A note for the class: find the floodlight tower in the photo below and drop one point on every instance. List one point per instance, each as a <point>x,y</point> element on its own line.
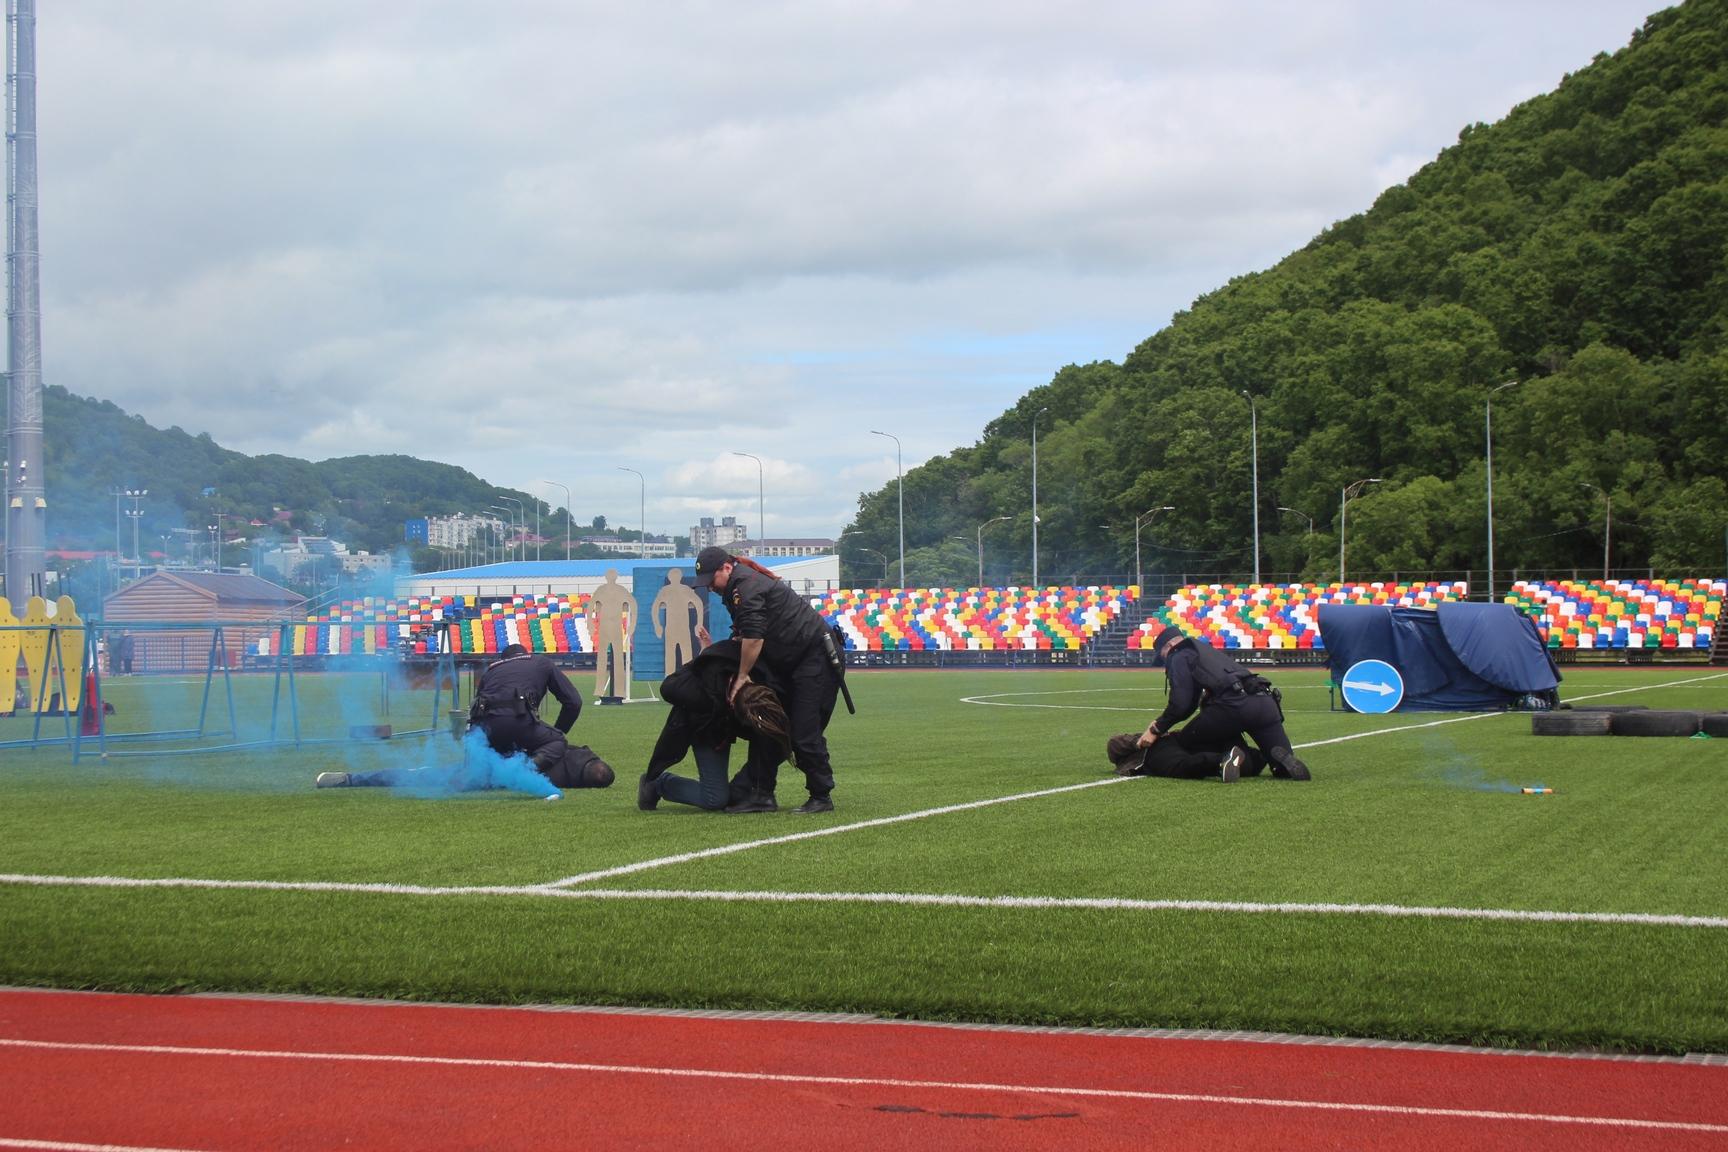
<point>26,495</point>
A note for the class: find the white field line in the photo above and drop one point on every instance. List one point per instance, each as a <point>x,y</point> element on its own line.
<point>835,830</point>
<point>553,887</point>
<point>909,899</point>
<point>758,1077</point>
<point>992,699</point>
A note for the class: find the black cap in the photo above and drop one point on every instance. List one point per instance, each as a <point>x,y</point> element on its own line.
<point>1170,633</point>
<point>512,650</point>
<point>708,561</point>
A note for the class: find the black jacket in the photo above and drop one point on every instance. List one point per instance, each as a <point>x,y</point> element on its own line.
<point>1195,672</point>
<point>518,683</point>
<point>700,714</point>
<point>768,610</point>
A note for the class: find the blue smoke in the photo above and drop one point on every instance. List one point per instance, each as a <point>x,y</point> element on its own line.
<point>1451,768</point>
<point>481,768</point>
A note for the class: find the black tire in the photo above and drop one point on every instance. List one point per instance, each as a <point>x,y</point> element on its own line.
<point>1569,724</point>
<point>1715,723</point>
<point>1655,723</point>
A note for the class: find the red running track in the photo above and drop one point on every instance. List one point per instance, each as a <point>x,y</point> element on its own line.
<point>91,1071</point>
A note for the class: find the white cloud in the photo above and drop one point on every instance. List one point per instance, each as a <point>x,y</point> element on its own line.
<point>551,239</point>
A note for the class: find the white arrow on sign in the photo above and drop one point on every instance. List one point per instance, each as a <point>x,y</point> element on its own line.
<point>1371,686</point>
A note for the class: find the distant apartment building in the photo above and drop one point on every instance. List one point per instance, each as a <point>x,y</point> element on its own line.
<point>454,532</point>
<point>654,546</point>
<point>314,554</point>
<point>783,546</point>
<point>726,533</point>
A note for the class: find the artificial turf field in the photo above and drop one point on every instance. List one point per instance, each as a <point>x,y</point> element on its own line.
<point>1181,904</point>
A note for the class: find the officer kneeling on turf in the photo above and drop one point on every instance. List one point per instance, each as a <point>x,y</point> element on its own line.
<point>507,709</point>
<point>1231,702</point>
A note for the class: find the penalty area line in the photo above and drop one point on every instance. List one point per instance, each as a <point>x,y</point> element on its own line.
<point>754,1076</point>
<point>795,837</point>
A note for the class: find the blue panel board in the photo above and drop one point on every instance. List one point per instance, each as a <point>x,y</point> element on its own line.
<point>648,650</point>
<point>647,580</point>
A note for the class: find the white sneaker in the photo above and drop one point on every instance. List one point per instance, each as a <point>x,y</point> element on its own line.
<point>1230,768</point>
<point>331,780</point>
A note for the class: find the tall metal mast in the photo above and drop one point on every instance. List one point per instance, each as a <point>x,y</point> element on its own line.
<point>26,494</point>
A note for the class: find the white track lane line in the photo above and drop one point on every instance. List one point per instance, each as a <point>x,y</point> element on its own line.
<point>64,1146</point>
<point>1624,1122</point>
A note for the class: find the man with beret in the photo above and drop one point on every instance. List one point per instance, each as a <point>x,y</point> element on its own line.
<point>1226,701</point>
<point>778,628</point>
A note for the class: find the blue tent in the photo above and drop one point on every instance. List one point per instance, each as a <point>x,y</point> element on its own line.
<point>1456,657</point>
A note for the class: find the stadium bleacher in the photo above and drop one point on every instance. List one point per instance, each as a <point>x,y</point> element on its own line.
<point>1588,615</point>
<point>1274,617</point>
<point>1623,614</point>
<point>972,619</point>
<point>477,624</point>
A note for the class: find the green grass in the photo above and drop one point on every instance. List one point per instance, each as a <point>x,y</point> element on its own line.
<point>1402,817</point>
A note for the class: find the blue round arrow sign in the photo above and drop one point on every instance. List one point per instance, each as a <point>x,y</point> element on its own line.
<point>1372,686</point>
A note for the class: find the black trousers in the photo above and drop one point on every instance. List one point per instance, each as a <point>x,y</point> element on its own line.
<point>810,692</point>
<point>525,732</point>
<point>1171,758</point>
<point>1224,720</point>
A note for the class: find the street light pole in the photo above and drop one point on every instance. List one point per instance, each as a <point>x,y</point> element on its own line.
<point>1344,495</point>
<point>510,519</point>
<point>1488,436</point>
<point>1302,514</point>
<point>981,528</point>
<point>1254,441</point>
<point>136,513</point>
<point>900,489</point>
<point>1607,526</point>
<point>119,553</point>
<point>521,521</point>
<point>1144,517</point>
<point>568,514</point>
<point>761,508</point>
<point>1035,416</point>
<point>642,551</point>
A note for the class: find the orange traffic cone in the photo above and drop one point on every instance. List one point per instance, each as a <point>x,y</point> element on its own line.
<point>90,719</point>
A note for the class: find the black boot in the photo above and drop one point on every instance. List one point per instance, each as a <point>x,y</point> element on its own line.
<point>1285,766</point>
<point>753,802</point>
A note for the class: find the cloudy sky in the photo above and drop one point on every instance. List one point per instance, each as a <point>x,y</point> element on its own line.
<point>549,239</point>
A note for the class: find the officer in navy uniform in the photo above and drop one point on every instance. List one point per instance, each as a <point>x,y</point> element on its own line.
<point>507,707</point>
<point>1230,700</point>
<point>778,628</point>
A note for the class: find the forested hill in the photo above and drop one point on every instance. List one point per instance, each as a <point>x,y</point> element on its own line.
<point>94,447</point>
<point>1577,246</point>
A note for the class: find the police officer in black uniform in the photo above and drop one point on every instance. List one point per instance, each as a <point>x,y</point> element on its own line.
<point>1231,701</point>
<point>507,708</point>
<point>778,628</point>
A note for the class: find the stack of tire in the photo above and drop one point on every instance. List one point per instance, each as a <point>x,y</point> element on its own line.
<point>1627,720</point>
